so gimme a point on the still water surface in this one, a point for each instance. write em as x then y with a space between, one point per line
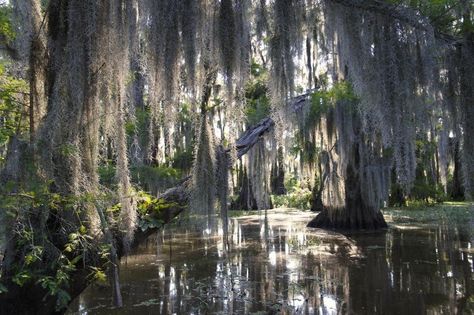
272 264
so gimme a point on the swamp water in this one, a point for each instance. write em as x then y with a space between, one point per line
275 265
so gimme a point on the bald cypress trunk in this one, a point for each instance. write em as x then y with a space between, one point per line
350 198
466 64
357 214
278 174
456 189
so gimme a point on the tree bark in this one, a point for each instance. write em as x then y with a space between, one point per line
466 65
317 201
245 199
357 214
278 174
456 192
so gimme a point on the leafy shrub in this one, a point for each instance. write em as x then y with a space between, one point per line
426 193
297 197
151 211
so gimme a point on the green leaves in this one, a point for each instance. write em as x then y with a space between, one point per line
3 288
56 285
53 286
6 29
153 176
151 211
34 255
256 90
150 223
298 196
12 107
62 299
322 101
21 278
77 241
98 274
445 15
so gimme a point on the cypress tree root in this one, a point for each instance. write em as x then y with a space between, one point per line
348 219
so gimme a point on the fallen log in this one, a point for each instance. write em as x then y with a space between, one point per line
253 135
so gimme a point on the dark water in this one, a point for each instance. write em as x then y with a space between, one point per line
275 265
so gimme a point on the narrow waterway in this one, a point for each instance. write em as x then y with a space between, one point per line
271 263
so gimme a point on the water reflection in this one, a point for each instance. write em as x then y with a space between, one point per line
272 264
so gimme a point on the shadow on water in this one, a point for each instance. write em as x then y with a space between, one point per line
275 265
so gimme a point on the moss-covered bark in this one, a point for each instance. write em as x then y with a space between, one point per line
357 213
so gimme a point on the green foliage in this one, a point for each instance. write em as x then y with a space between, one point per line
115 209
45 259
107 174
149 222
98 274
12 106
16 201
445 15
158 172
53 277
257 110
146 176
21 278
137 127
258 104
151 211
257 70
34 255
67 149
142 116
139 124
155 178
57 285
183 160
425 190
78 240
3 288
425 193
130 128
185 113
306 149
322 101
298 196
53 273
6 29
